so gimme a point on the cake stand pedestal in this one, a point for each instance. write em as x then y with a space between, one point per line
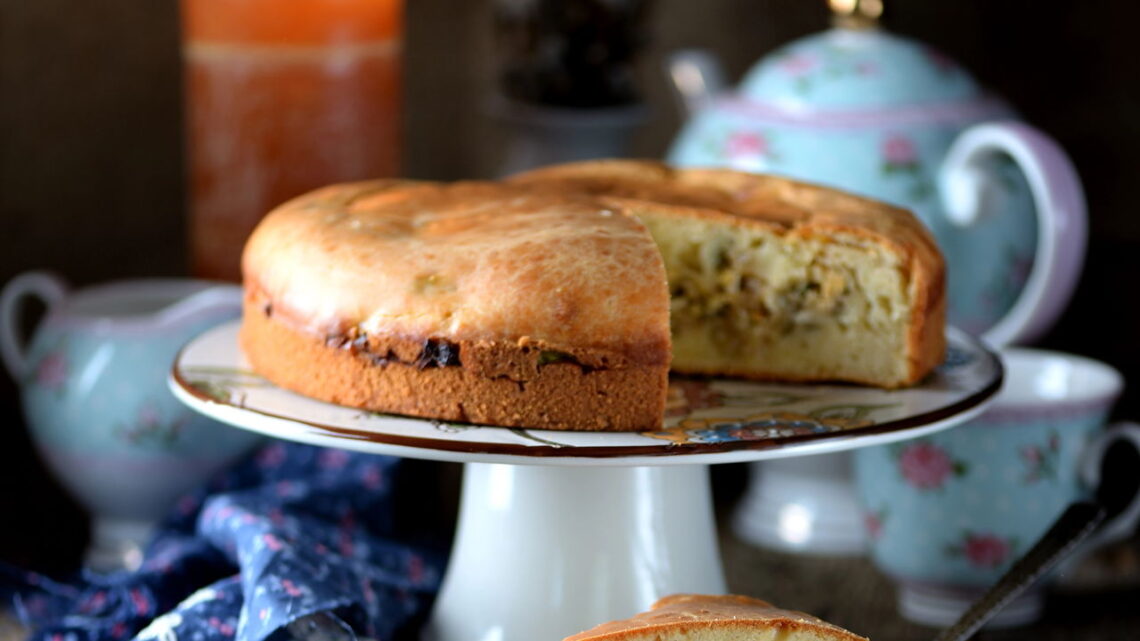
543 552
559 531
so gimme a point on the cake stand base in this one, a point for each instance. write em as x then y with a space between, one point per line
805 505
545 552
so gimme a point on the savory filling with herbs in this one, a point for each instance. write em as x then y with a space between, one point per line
750 296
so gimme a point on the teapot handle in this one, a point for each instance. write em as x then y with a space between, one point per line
1061 217
50 289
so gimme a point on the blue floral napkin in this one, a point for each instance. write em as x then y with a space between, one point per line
295 530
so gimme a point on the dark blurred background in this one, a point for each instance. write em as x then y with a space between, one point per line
91 169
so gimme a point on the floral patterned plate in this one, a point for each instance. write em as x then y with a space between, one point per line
707 420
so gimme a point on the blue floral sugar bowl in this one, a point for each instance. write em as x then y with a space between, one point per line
859 108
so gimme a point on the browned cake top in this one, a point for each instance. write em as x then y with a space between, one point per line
773 202
682 614
468 261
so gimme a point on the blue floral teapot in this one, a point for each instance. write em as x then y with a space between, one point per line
864 110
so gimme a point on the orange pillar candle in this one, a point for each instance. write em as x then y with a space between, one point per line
283 96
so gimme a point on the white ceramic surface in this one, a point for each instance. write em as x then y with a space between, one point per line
805 505
545 552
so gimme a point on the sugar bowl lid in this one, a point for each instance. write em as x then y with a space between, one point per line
856 65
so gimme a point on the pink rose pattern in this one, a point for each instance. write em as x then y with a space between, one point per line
984 550
899 153
742 146
51 372
150 430
807 70
900 157
745 143
1041 460
926 466
797 64
873 523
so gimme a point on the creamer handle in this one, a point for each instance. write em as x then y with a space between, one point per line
50 289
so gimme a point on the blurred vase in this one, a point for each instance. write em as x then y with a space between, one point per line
282 98
540 135
566 79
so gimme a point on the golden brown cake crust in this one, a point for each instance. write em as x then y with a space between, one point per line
472 302
466 261
682 613
498 383
784 206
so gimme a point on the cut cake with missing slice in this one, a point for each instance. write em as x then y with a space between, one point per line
560 298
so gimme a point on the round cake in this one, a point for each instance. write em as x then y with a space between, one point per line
561 298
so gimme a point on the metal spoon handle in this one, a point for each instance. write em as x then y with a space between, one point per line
1074 525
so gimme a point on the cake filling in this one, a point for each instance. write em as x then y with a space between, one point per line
745 297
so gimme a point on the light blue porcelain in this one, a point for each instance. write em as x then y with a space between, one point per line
890 118
849 69
948 514
94 387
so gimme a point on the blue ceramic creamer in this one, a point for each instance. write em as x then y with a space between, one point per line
93 380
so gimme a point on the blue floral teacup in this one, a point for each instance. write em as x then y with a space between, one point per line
93 379
948 514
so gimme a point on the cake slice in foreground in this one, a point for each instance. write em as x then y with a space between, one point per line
696 617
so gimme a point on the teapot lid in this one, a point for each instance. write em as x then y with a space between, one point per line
856 66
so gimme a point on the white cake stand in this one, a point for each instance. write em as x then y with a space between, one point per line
559 531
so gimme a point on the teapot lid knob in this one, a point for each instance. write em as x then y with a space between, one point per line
855 14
